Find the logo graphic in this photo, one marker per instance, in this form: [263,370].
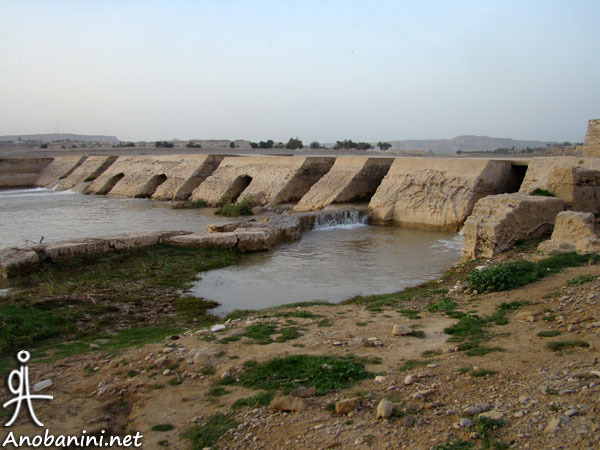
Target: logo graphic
[22,390]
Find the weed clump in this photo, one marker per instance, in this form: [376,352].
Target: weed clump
[549,333]
[242,207]
[582,279]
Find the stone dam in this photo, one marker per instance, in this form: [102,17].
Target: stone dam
[489,199]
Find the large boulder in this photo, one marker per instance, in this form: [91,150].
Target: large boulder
[573,231]
[499,221]
[17,260]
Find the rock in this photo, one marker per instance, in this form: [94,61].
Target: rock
[499,221]
[380,379]
[42,385]
[385,409]
[167,372]
[566,392]
[94,347]
[573,231]
[347,406]
[477,409]
[409,421]
[217,327]
[304,392]
[494,415]
[161,360]
[527,316]
[571,412]
[409,379]
[423,374]
[401,330]
[552,425]
[167,350]
[465,423]
[374,342]
[422,394]
[290,403]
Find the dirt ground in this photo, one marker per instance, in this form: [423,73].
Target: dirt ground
[544,399]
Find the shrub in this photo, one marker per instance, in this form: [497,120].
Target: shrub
[511,275]
[294,144]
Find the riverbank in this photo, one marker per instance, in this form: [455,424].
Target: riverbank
[525,358]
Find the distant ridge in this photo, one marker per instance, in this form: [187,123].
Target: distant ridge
[467,143]
[61,137]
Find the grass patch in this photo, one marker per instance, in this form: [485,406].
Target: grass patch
[582,279]
[410,314]
[217,392]
[207,434]
[324,323]
[430,353]
[195,204]
[361,324]
[162,427]
[260,399]
[242,207]
[377,302]
[458,444]
[557,346]
[79,300]
[514,274]
[549,333]
[446,304]
[290,372]
[262,334]
[411,364]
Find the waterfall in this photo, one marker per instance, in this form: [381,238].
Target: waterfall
[347,218]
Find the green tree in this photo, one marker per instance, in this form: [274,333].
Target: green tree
[384,146]
[294,143]
[315,145]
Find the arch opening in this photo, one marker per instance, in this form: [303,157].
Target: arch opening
[151,185]
[112,181]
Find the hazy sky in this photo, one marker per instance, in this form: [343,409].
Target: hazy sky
[320,70]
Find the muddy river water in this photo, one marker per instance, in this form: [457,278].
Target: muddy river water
[331,263]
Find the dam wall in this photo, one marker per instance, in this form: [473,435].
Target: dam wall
[90,169]
[60,167]
[350,179]
[21,172]
[438,193]
[268,179]
[163,176]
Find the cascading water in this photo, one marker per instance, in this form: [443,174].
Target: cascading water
[340,219]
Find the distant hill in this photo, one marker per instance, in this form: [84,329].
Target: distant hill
[465,143]
[60,137]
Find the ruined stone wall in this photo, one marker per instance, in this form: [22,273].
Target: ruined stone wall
[591,145]
[437,193]
[21,172]
[576,180]
[350,179]
[269,179]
